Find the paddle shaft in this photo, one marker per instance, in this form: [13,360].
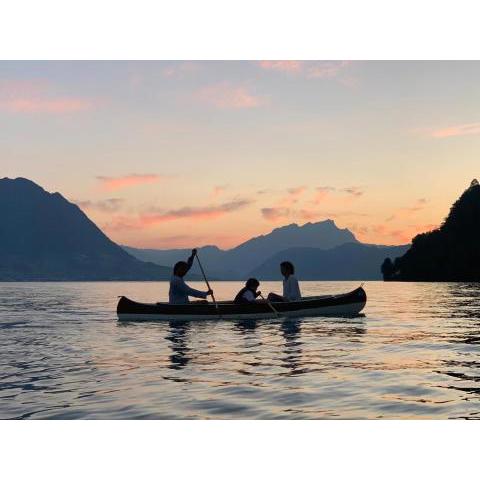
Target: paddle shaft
[270,305]
[206,281]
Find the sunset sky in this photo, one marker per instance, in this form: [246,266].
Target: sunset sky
[182,154]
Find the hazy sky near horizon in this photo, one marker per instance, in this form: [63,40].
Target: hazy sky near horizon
[180,154]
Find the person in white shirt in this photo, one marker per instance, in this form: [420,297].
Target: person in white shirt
[179,290]
[291,289]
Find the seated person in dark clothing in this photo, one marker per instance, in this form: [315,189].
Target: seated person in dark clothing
[248,293]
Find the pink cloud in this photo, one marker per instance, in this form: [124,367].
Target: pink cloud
[117,183]
[226,96]
[290,66]
[310,69]
[457,130]
[180,69]
[308,215]
[321,194]
[327,69]
[38,97]
[37,105]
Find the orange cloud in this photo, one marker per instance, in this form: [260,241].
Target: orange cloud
[225,96]
[406,212]
[117,183]
[37,97]
[457,130]
[406,234]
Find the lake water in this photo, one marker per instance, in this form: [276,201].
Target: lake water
[63,354]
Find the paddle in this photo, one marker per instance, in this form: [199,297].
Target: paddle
[270,305]
[208,285]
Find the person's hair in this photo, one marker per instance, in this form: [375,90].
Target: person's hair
[289,267]
[178,266]
[252,283]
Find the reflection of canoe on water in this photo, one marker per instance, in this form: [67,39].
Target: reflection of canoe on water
[345,304]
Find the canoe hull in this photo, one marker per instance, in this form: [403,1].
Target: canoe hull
[348,304]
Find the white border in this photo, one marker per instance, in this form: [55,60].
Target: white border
[222,29]
[250,29]
[237,450]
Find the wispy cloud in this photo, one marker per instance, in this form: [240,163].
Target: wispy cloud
[219,190]
[389,235]
[108,205]
[321,193]
[290,66]
[274,214]
[353,191]
[39,97]
[181,69]
[195,213]
[307,69]
[326,69]
[279,213]
[457,130]
[292,196]
[297,191]
[117,183]
[227,96]
[406,212]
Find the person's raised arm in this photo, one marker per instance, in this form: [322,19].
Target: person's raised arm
[191,258]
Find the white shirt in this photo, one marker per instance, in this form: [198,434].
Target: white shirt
[291,290]
[180,291]
[249,296]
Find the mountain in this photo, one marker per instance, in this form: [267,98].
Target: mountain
[319,235]
[450,253]
[351,261]
[239,261]
[45,237]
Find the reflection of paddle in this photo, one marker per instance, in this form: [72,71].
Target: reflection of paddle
[208,285]
[271,306]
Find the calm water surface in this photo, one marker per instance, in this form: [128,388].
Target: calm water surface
[415,354]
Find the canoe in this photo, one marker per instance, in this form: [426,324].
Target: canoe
[345,304]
